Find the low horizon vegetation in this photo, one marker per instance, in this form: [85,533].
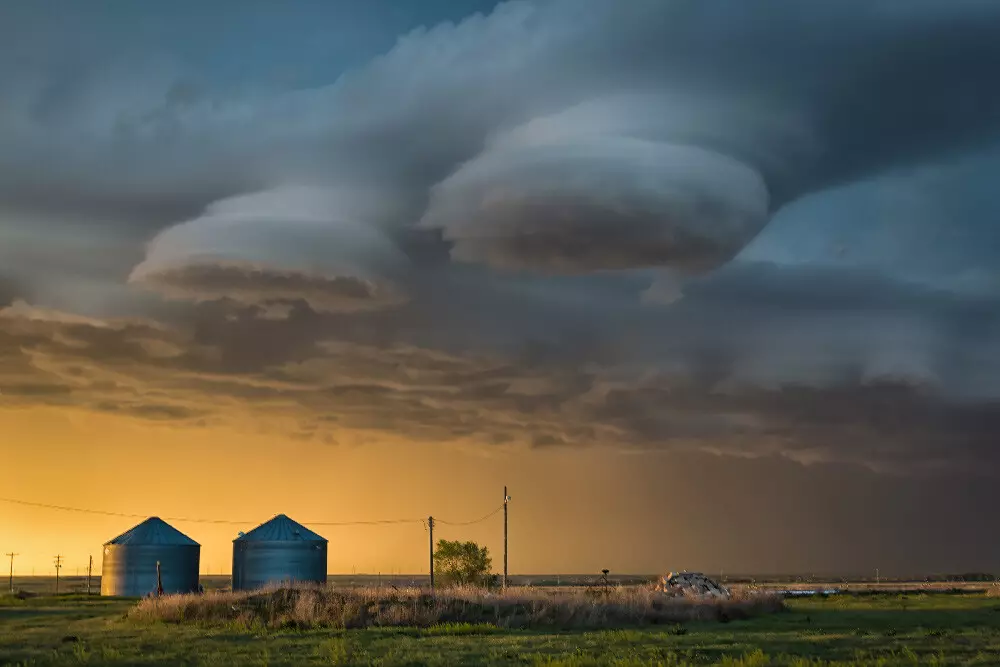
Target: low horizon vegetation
[310,606]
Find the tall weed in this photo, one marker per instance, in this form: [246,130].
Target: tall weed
[314,606]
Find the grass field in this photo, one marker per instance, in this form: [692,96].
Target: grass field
[876,629]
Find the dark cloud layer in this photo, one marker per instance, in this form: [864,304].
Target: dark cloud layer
[664,133]
[764,232]
[893,382]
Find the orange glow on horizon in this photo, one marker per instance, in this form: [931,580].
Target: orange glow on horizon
[113,464]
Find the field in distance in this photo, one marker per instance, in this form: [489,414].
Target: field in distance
[78,584]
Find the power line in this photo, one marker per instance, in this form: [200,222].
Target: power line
[125,515]
[58,560]
[11,580]
[231,522]
[363,523]
[430,527]
[506,499]
[469,523]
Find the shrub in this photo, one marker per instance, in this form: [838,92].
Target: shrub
[462,563]
[312,606]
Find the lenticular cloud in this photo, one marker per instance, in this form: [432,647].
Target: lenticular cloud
[623,182]
[560,136]
[277,246]
[605,203]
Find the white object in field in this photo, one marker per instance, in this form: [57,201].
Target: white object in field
[692,583]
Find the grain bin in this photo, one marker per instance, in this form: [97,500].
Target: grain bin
[276,552]
[129,567]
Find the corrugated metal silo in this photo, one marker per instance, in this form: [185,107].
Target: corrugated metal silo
[278,551]
[130,559]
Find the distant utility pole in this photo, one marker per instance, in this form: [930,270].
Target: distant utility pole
[58,563]
[506,500]
[430,528]
[90,571]
[11,580]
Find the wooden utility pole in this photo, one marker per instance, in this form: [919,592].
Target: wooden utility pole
[90,571]
[430,528]
[59,565]
[506,499]
[11,580]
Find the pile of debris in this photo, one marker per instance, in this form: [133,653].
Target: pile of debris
[691,584]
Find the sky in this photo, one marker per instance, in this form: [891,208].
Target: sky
[707,285]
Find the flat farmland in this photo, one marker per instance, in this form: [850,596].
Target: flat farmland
[78,584]
[871,628]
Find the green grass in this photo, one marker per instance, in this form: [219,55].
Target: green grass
[885,630]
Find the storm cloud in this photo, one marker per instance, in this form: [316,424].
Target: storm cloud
[280,245]
[758,232]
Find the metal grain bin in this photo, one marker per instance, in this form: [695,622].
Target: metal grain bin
[130,559]
[279,551]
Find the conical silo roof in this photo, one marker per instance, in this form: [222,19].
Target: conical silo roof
[153,530]
[280,529]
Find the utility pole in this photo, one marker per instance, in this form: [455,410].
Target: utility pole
[90,571]
[11,580]
[430,528]
[506,499]
[58,563]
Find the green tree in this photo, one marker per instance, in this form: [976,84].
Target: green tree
[462,563]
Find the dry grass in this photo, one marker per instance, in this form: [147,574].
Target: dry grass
[309,607]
